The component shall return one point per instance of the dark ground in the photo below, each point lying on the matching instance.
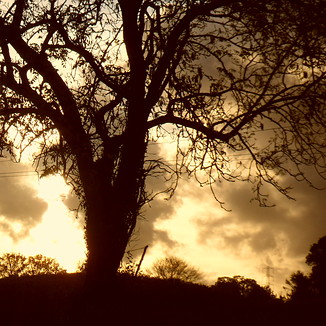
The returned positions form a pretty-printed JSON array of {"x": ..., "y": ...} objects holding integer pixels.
[{"x": 60, "y": 300}]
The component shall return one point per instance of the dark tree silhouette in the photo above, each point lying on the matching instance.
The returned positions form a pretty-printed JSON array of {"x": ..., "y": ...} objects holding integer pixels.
[
  {"x": 13, "y": 264},
  {"x": 301, "y": 289},
  {"x": 40, "y": 265},
  {"x": 305, "y": 287},
  {"x": 174, "y": 268},
  {"x": 239, "y": 85},
  {"x": 239, "y": 286},
  {"x": 316, "y": 258}
]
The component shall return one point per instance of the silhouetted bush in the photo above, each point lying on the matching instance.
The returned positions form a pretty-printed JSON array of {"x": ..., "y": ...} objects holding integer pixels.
[{"x": 171, "y": 267}]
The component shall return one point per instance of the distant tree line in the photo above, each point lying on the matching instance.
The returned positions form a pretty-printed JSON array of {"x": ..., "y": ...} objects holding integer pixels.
[
  {"x": 174, "y": 268},
  {"x": 239, "y": 286},
  {"x": 303, "y": 287},
  {"x": 16, "y": 265}
]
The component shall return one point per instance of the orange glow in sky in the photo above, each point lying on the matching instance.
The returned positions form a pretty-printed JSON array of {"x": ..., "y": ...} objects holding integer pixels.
[
  {"x": 59, "y": 235},
  {"x": 247, "y": 241}
]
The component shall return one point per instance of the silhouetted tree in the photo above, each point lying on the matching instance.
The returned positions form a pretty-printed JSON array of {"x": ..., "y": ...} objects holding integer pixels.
[
  {"x": 13, "y": 264},
  {"x": 171, "y": 267},
  {"x": 239, "y": 85},
  {"x": 301, "y": 289},
  {"x": 313, "y": 285},
  {"x": 39, "y": 265},
  {"x": 239, "y": 286},
  {"x": 316, "y": 258}
]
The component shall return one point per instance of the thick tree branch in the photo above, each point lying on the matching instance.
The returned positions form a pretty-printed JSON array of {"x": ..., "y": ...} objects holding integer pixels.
[
  {"x": 40, "y": 63},
  {"x": 173, "y": 45},
  {"x": 89, "y": 58},
  {"x": 18, "y": 14},
  {"x": 133, "y": 44},
  {"x": 209, "y": 132}
]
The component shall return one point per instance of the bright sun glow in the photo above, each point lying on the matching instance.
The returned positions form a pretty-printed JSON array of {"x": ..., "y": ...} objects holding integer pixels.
[{"x": 59, "y": 235}]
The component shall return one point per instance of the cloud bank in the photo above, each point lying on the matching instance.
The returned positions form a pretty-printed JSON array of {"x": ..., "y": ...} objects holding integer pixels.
[{"x": 20, "y": 207}]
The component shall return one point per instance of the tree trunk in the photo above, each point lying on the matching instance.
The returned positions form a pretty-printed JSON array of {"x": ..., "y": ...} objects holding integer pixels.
[
  {"x": 113, "y": 199},
  {"x": 106, "y": 243},
  {"x": 107, "y": 234}
]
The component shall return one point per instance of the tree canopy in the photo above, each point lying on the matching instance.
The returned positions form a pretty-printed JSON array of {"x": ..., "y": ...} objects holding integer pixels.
[
  {"x": 174, "y": 268},
  {"x": 239, "y": 286},
  {"x": 313, "y": 285},
  {"x": 13, "y": 264},
  {"x": 239, "y": 86}
]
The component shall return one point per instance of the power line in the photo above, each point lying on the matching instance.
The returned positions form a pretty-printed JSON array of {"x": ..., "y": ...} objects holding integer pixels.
[{"x": 17, "y": 174}]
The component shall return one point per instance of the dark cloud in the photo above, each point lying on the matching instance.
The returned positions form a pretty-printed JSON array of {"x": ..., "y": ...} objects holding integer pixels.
[
  {"x": 73, "y": 204},
  {"x": 18, "y": 202},
  {"x": 162, "y": 207},
  {"x": 294, "y": 224},
  {"x": 71, "y": 201},
  {"x": 159, "y": 209},
  {"x": 263, "y": 240}
]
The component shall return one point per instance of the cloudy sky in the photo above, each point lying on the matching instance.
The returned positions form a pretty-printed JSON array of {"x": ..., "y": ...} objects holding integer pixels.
[
  {"x": 266, "y": 244},
  {"x": 34, "y": 218}
]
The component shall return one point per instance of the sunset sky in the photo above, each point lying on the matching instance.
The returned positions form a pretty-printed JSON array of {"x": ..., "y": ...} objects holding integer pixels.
[
  {"x": 38, "y": 215},
  {"x": 266, "y": 244}
]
